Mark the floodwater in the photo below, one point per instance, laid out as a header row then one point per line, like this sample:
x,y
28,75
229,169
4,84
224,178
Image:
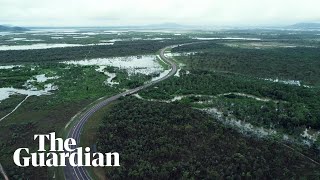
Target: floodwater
x,y
170,54
30,90
42,78
25,39
178,73
57,37
312,136
157,39
111,76
7,92
44,46
247,128
227,38
241,125
289,82
146,64
9,66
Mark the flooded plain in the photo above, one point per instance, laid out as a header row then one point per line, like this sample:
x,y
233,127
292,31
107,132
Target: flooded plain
x,y
145,64
226,38
44,46
30,89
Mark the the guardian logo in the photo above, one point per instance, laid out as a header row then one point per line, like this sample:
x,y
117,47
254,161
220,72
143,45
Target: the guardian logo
x,y
61,153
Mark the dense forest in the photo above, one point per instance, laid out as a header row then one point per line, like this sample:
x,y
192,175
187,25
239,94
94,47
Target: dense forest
x,y
217,69
299,106
170,141
19,135
299,63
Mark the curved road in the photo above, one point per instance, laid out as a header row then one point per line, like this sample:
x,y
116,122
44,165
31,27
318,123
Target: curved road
x,y
80,173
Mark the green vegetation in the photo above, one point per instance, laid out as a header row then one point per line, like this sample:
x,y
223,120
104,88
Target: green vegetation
x,y
172,141
15,77
210,83
8,105
78,87
299,63
218,69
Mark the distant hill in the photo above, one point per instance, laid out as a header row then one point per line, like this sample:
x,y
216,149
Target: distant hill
x,y
12,28
306,26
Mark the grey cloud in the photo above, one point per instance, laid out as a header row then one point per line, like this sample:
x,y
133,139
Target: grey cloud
x,y
133,12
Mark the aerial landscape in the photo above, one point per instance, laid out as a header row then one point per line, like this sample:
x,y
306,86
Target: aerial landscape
x,y
175,97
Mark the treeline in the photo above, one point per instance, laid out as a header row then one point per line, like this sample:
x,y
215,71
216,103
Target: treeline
x,y
299,63
166,141
121,48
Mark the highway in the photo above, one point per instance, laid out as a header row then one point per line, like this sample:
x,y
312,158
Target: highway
x,y
80,173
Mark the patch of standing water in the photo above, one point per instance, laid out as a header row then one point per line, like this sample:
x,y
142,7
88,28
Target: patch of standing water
x,y
248,128
157,38
57,37
9,66
30,89
310,136
146,64
42,78
25,39
17,39
111,76
7,92
33,40
289,82
110,41
178,73
170,54
243,126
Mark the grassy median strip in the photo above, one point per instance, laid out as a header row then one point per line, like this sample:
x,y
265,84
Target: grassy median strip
x,y
89,137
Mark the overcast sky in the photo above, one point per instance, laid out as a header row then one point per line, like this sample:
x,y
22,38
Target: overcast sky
x,y
140,12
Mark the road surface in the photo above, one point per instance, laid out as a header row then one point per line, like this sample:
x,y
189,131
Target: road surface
x,y
80,173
